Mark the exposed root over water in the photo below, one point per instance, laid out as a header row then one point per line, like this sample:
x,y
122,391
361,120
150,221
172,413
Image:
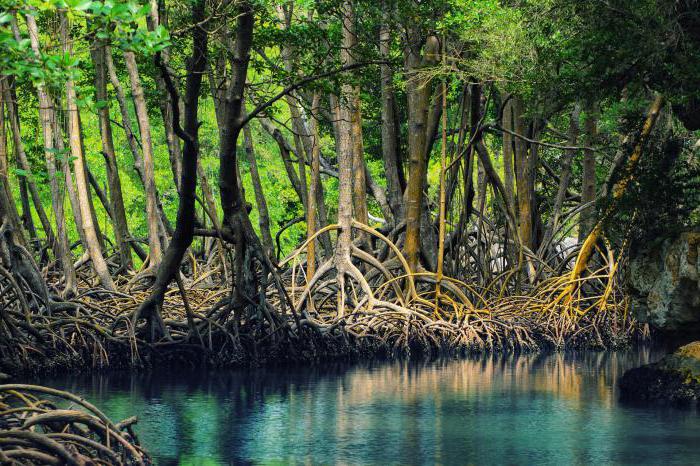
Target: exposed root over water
x,y
41,425
370,303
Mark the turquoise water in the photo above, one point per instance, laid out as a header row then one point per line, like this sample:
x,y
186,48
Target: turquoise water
x,y
529,409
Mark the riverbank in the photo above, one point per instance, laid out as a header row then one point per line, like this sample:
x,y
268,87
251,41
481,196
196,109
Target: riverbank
x,y
96,334
390,314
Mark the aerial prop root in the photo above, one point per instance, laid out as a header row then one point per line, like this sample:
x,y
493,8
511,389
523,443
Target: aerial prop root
x,y
395,303
391,298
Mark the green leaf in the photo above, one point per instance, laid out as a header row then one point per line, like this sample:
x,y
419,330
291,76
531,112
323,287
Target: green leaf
x,y
83,5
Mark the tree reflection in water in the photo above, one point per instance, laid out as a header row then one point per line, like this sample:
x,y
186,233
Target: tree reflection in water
x,y
538,408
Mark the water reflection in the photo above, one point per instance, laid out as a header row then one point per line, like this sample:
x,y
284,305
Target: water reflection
x,y
555,408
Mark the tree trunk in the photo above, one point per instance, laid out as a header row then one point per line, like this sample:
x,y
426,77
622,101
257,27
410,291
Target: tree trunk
x,y
152,214
564,178
12,216
418,94
101,195
153,20
27,219
116,201
311,226
260,201
393,170
91,203
46,115
236,222
23,162
588,182
60,128
92,241
350,123
508,152
184,227
523,176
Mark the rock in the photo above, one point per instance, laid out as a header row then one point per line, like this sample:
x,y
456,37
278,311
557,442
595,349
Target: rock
x,y
673,380
664,284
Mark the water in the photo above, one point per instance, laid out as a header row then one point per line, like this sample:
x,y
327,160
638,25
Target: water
x,y
531,409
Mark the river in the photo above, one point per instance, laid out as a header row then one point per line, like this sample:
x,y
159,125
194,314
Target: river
x,y
559,408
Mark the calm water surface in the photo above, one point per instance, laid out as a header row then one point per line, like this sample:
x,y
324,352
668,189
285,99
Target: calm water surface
x,y
531,409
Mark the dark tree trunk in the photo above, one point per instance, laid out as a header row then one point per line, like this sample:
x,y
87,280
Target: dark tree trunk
x,y
588,183
27,219
508,151
184,227
12,215
393,170
523,176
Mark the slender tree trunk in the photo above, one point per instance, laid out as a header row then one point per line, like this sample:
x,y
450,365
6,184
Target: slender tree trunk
x,y
101,195
311,226
418,94
126,119
533,162
12,216
588,183
91,203
508,151
260,201
480,187
523,176
299,134
46,115
92,242
171,140
346,163
60,127
350,119
154,241
23,163
390,136
617,190
121,230
564,177
27,219
153,20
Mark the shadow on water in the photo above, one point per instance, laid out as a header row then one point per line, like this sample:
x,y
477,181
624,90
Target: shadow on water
x,y
559,408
